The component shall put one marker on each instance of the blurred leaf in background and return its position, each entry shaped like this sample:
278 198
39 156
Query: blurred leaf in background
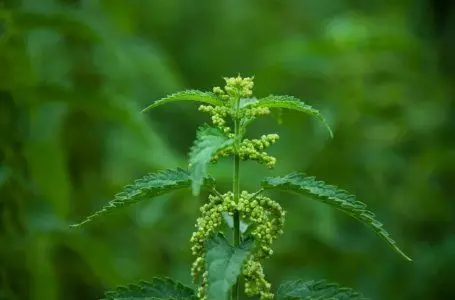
74 75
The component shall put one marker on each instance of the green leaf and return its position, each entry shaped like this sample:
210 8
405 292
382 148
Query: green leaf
290 102
315 290
230 222
189 95
223 264
157 289
208 141
149 186
243 102
329 194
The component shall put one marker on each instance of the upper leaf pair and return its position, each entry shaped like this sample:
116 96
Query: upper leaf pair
272 101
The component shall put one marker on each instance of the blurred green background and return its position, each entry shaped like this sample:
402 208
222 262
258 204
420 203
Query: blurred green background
74 75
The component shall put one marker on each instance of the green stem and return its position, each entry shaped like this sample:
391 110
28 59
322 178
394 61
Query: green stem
236 191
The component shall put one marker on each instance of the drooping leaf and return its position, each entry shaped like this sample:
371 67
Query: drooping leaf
208 141
189 95
157 289
290 102
223 264
149 186
332 195
315 290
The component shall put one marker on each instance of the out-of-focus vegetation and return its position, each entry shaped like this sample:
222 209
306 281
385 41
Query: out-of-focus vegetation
74 75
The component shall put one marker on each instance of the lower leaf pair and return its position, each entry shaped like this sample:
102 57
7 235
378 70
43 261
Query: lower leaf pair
224 265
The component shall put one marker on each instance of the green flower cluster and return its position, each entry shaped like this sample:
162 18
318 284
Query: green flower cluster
265 216
219 114
255 283
252 112
252 150
236 87
267 219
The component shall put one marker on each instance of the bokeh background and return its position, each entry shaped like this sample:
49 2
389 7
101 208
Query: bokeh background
74 75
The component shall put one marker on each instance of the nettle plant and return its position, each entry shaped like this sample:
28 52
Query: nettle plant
222 267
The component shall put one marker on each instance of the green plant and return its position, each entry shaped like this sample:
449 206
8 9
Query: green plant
255 219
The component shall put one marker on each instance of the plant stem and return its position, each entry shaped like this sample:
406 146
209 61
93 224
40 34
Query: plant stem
236 191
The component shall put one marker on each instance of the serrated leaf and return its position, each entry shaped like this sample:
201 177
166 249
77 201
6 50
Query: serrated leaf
157 289
332 195
188 95
208 141
290 102
223 264
149 186
315 290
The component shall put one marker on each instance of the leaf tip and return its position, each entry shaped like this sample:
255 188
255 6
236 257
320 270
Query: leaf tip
328 128
402 254
146 109
77 225
407 258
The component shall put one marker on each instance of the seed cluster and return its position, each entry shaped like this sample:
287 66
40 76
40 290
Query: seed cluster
265 216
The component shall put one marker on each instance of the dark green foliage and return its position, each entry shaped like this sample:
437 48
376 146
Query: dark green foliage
315 290
145 188
332 195
224 263
189 95
68 22
361 62
157 289
208 141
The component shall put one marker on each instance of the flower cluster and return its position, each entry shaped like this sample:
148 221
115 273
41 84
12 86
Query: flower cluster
236 87
255 283
265 216
219 114
252 149
251 112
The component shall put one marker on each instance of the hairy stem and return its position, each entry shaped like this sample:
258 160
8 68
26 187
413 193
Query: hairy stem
236 191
